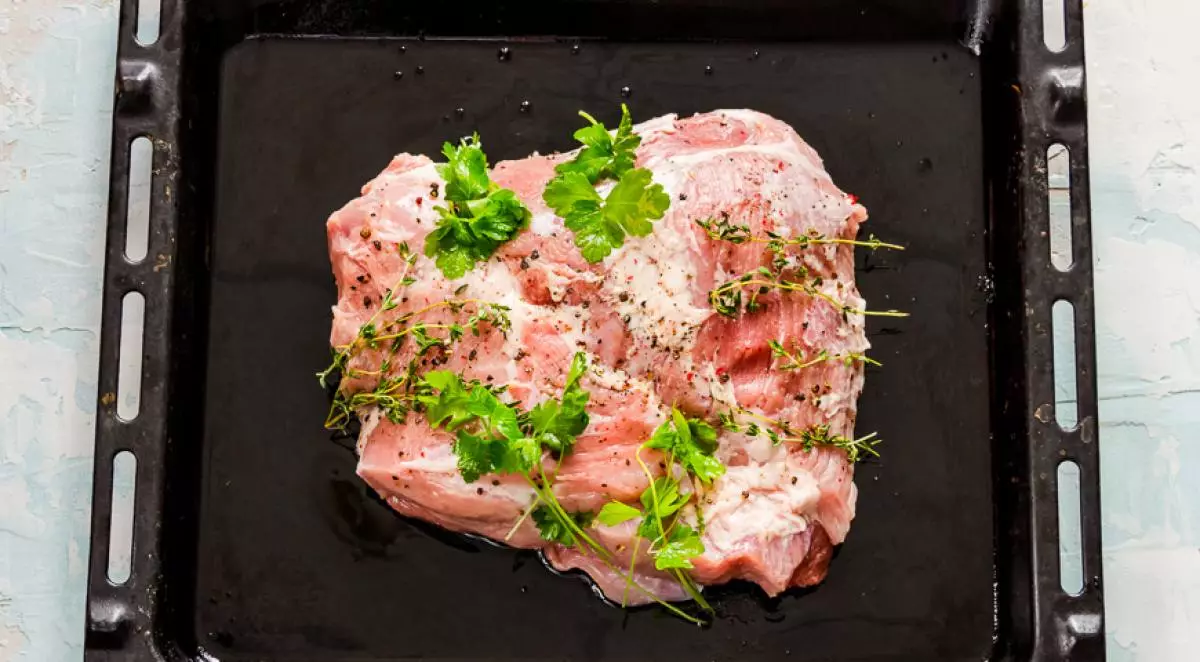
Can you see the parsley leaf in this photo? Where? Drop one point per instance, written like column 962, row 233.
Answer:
column 682, row 544
column 659, row 504
column 487, row 431
column 520, row 456
column 465, row 171
column 557, row 423
column 673, row 543
column 476, row 455
column 601, row 226
column 572, row 194
column 693, row 442
column 552, row 528
column 492, row 436
column 497, row 416
column 615, row 512
column 634, row 202
column 604, row 155
column 479, row 215
column 446, row 408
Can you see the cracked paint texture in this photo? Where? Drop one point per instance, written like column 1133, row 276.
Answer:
column 1144, row 120
column 56, row 68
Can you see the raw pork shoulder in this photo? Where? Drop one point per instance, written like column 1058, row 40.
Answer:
column 644, row 319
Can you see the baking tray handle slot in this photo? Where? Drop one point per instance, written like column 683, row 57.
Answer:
column 1051, row 86
column 120, row 614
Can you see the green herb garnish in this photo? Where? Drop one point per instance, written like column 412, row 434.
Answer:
column 556, row 423
column 742, row 294
column 394, row 393
column 799, row 360
column 615, row 512
column 785, row 273
column 681, row 546
column 601, row 224
column 604, row 155
column 479, row 215
column 690, row 444
column 492, row 436
column 723, row 230
column 551, row 527
column 488, row 436
column 782, row 432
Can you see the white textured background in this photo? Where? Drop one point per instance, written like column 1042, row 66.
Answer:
column 56, row 72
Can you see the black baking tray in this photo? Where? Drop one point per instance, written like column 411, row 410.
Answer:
column 253, row 540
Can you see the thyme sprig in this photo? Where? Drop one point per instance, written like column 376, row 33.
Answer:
column 800, row 360
column 723, row 230
column 742, row 294
column 394, row 393
column 786, row 273
column 814, row 436
column 367, row 332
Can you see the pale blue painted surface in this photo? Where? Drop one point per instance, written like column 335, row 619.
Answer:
column 56, row 73
column 56, row 69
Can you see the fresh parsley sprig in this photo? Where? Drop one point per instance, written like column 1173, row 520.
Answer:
column 604, row 155
column 551, row 526
column 690, row 443
column 602, row 224
column 492, row 436
column 555, row 424
column 478, row 215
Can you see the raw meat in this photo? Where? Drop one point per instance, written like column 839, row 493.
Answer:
column 644, row 318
